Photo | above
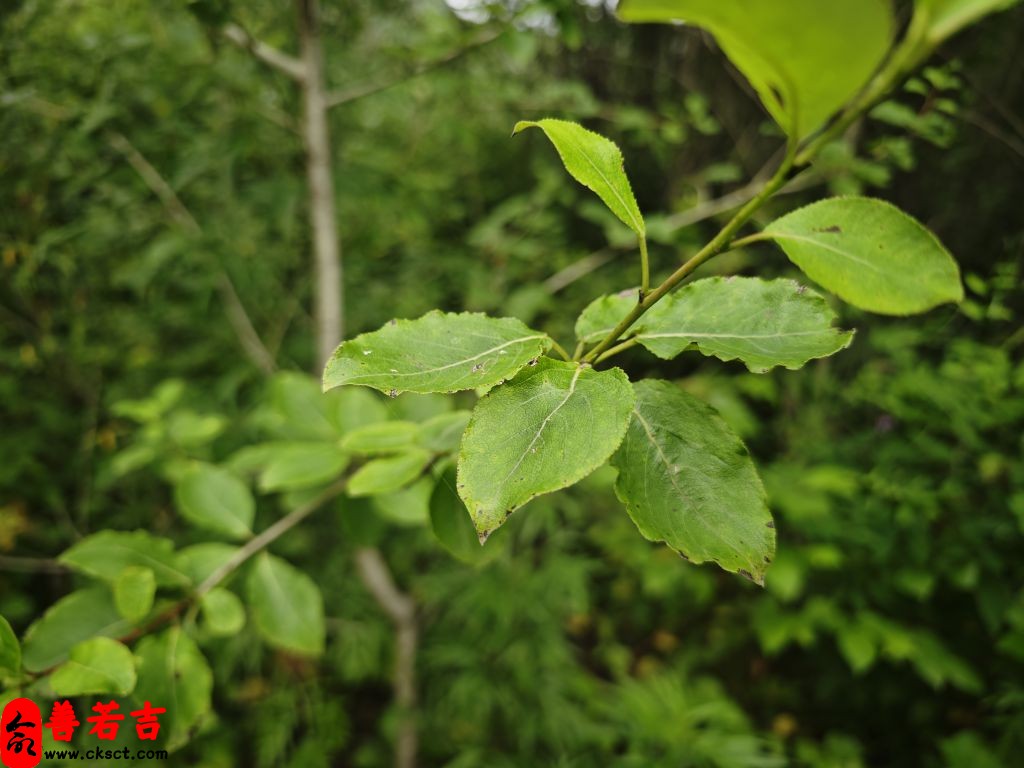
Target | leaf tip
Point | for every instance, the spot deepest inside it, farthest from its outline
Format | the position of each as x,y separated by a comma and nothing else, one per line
522,125
757,578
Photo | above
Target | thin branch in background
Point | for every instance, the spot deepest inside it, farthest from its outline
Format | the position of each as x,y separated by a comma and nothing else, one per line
268,536
31,564
368,89
233,307
577,270
328,268
376,577
268,54
1005,138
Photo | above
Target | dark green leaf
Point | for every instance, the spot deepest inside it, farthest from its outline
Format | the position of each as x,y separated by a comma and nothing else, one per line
762,323
687,479
453,526
551,426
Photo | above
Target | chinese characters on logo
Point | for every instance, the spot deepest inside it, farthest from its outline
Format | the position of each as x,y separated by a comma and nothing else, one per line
21,727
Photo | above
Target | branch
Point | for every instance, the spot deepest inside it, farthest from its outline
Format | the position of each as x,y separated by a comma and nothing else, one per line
31,564
268,54
368,89
374,573
233,307
328,265
578,269
268,536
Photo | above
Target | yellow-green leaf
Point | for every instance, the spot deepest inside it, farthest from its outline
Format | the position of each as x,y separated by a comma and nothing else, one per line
97,665
870,254
436,353
596,163
805,58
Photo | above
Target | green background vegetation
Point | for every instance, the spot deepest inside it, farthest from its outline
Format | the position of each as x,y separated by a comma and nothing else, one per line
891,628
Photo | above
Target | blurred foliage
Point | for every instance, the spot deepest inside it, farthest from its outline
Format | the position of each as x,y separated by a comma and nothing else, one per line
891,631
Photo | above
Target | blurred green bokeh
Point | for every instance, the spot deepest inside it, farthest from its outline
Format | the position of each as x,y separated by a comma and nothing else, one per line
145,159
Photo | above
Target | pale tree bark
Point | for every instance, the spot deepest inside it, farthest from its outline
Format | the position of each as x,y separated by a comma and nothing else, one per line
329,315
328,295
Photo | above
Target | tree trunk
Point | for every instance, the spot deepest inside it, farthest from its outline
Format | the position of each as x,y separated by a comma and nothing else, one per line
327,273
329,313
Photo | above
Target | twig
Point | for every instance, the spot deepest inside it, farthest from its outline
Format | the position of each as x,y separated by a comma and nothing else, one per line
268,536
578,269
373,571
233,307
268,54
368,89
31,564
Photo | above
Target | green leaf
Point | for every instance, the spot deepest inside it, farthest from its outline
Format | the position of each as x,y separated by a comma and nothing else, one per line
298,410
687,479
350,408
385,437
286,605
201,560
408,507
98,665
944,18
72,619
10,650
173,674
596,163
804,61
870,254
858,644
388,474
134,591
551,426
292,466
436,353
105,554
443,433
215,499
763,323
603,314
453,526
223,612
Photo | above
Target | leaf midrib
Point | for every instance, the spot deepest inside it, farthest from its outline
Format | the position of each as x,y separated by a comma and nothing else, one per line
461,361
544,423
